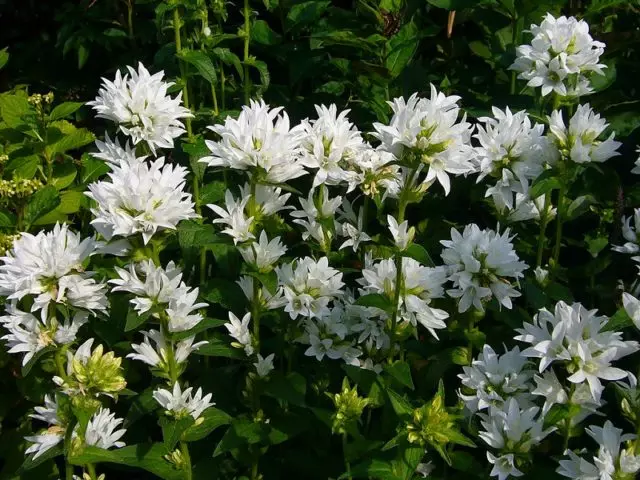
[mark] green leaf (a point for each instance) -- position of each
(559, 413)
(305, 13)
(192, 234)
(269, 280)
(4, 57)
(419, 254)
(172, 429)
(30, 463)
(202, 62)
(36, 357)
(143, 404)
(618, 321)
(263, 70)
(455, 4)
(375, 300)
(261, 33)
(401, 48)
(580, 206)
(7, 219)
(212, 193)
(219, 347)
(400, 405)
(41, 203)
(149, 457)
(373, 468)
(135, 319)
(602, 82)
(23, 167)
(545, 183)
(71, 202)
(224, 292)
(67, 137)
(291, 388)
(205, 324)
(212, 418)
(229, 58)
(64, 110)
(63, 175)
(92, 168)
(400, 371)
(467, 463)
(16, 110)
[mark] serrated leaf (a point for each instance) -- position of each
(212, 192)
(217, 347)
(23, 166)
(63, 175)
(172, 429)
(143, 404)
(7, 219)
(71, 201)
(64, 110)
(401, 48)
(212, 418)
(41, 203)
(261, 33)
(202, 62)
(135, 319)
(67, 137)
(192, 234)
(149, 457)
(16, 110)
(400, 405)
(305, 13)
(205, 324)
(545, 183)
(92, 168)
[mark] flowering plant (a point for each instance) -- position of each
(222, 301)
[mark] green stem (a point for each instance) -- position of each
(254, 468)
(92, 471)
(559, 222)
(68, 470)
(344, 453)
(566, 431)
(184, 448)
(255, 314)
(132, 38)
(398, 287)
(544, 221)
(247, 38)
(177, 23)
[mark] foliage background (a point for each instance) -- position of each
(357, 55)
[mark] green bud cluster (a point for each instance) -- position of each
(101, 373)
(349, 407)
(19, 187)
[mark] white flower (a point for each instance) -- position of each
(157, 285)
(352, 226)
(268, 200)
(268, 300)
(179, 403)
(574, 336)
(513, 152)
(139, 104)
(503, 466)
(48, 413)
(141, 198)
(330, 144)
(513, 429)
(632, 307)
(551, 389)
(309, 286)
(264, 365)
(579, 142)
(630, 234)
(180, 310)
(495, 379)
(402, 234)
(610, 463)
(326, 336)
(263, 254)
(528, 209)
(481, 262)
(115, 154)
(238, 224)
(377, 172)
(426, 131)
(239, 331)
(155, 354)
(560, 57)
(636, 169)
(101, 430)
(541, 274)
(38, 265)
(259, 141)
(419, 285)
(317, 216)
(44, 441)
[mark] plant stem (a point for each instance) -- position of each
(132, 38)
(398, 285)
(344, 453)
(177, 23)
(255, 314)
(92, 471)
(68, 470)
(184, 448)
(566, 432)
(544, 221)
(247, 38)
(559, 221)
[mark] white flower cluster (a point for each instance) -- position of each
(561, 57)
(138, 103)
(480, 263)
